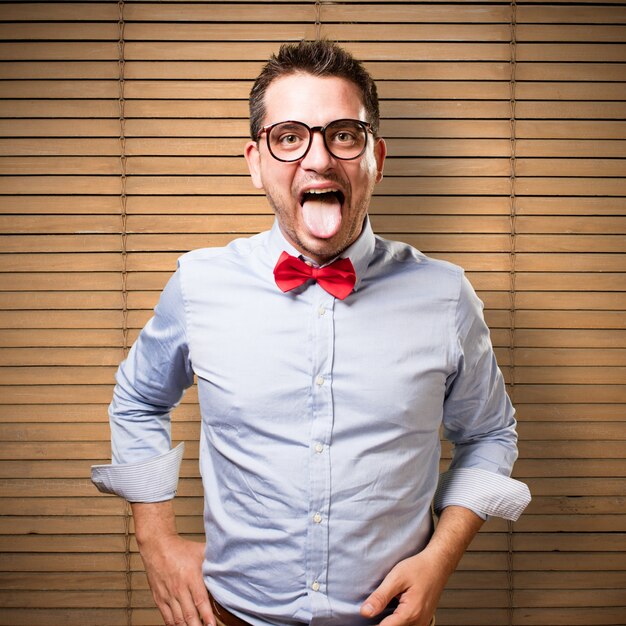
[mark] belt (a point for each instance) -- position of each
(224, 615)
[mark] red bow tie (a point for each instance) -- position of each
(337, 278)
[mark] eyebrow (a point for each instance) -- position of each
(290, 124)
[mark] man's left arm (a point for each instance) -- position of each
(418, 581)
(479, 420)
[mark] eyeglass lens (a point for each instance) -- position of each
(344, 139)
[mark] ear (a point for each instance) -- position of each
(380, 152)
(253, 158)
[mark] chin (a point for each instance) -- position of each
(326, 249)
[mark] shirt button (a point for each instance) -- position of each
(317, 518)
(315, 586)
(321, 311)
(319, 448)
(319, 380)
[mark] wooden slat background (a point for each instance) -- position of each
(506, 126)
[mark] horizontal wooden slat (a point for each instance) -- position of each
(54, 338)
(246, 51)
(65, 599)
(66, 580)
(347, 12)
(60, 356)
(571, 15)
(568, 338)
(57, 11)
(61, 89)
(61, 319)
(76, 413)
(77, 617)
(567, 147)
(76, 281)
(57, 375)
(345, 32)
(70, 30)
(572, 90)
(527, 580)
(93, 50)
(568, 205)
(111, 147)
(571, 32)
(609, 375)
(570, 282)
(542, 52)
(569, 356)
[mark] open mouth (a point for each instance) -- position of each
(322, 195)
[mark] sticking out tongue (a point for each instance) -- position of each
(322, 214)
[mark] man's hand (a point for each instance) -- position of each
(173, 566)
(418, 581)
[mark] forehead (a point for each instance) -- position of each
(315, 100)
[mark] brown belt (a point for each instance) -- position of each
(224, 615)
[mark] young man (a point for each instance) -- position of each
(327, 359)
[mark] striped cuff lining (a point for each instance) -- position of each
(484, 492)
(152, 480)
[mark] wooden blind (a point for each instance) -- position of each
(122, 131)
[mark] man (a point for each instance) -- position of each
(327, 359)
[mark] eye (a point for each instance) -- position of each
(288, 136)
(290, 139)
(344, 136)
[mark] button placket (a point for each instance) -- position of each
(321, 428)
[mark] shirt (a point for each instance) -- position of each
(319, 444)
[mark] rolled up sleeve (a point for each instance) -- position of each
(480, 422)
(152, 480)
(150, 383)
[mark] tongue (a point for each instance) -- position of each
(322, 217)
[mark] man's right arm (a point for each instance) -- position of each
(144, 471)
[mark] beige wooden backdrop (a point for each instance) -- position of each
(122, 132)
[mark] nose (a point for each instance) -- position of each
(317, 158)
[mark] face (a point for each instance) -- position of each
(320, 201)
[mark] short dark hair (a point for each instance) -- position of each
(318, 58)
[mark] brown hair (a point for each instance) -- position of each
(319, 58)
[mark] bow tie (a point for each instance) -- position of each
(337, 278)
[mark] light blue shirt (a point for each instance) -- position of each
(319, 446)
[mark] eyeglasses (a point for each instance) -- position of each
(290, 141)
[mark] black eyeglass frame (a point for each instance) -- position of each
(367, 127)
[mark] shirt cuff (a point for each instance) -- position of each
(151, 480)
(485, 493)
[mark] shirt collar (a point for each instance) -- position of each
(360, 252)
